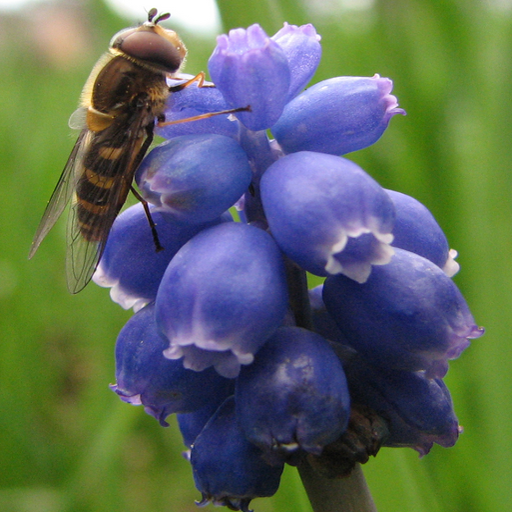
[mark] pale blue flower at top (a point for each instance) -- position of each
(244, 65)
(302, 48)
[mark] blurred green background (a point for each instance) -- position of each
(67, 443)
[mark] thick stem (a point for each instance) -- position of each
(349, 494)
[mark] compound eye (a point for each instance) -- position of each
(148, 46)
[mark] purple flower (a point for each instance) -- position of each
(228, 469)
(249, 68)
(417, 231)
(302, 48)
(145, 377)
(409, 315)
(130, 265)
(419, 410)
(337, 116)
(327, 214)
(294, 396)
(196, 177)
(221, 297)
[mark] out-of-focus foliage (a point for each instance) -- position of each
(66, 442)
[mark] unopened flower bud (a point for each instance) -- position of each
(228, 469)
(337, 116)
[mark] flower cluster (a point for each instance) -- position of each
(225, 334)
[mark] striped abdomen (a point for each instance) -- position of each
(103, 186)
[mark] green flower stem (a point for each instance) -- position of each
(349, 494)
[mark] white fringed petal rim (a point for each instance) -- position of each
(117, 294)
(359, 271)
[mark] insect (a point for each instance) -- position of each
(122, 99)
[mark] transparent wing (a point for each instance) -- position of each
(84, 254)
(62, 193)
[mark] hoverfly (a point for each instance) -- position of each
(122, 99)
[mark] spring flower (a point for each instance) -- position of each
(241, 64)
(222, 295)
(337, 116)
(294, 397)
(196, 177)
(259, 371)
(346, 202)
(145, 377)
(409, 315)
(417, 231)
(220, 445)
(419, 410)
(134, 280)
(301, 46)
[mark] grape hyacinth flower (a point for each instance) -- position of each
(134, 281)
(422, 318)
(222, 445)
(259, 371)
(213, 321)
(294, 397)
(145, 377)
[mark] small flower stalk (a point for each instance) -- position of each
(260, 371)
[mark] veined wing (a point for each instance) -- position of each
(62, 193)
(109, 175)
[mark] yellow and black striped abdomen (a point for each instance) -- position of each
(107, 174)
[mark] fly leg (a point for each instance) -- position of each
(200, 79)
(152, 225)
(138, 159)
